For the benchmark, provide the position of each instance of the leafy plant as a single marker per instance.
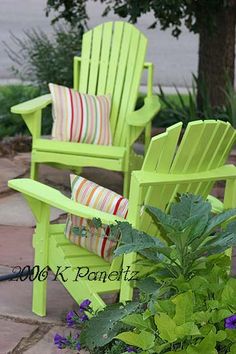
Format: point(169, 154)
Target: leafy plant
point(188, 297)
point(40, 59)
point(198, 319)
point(185, 109)
point(97, 331)
point(102, 328)
point(12, 124)
point(191, 233)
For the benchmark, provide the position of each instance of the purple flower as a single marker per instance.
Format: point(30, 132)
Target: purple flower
point(61, 342)
point(78, 346)
point(70, 319)
point(84, 304)
point(84, 318)
point(76, 336)
point(230, 322)
point(131, 349)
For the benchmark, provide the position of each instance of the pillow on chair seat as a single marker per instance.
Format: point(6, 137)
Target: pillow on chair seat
point(80, 117)
point(94, 239)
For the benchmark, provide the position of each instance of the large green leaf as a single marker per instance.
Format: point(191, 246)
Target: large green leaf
point(231, 335)
point(166, 327)
point(231, 227)
point(201, 317)
point(196, 225)
point(184, 307)
point(190, 205)
point(159, 348)
point(133, 240)
point(137, 321)
point(148, 285)
point(187, 329)
point(144, 340)
point(219, 315)
point(229, 293)
point(168, 225)
point(220, 243)
point(206, 346)
point(219, 219)
point(163, 305)
point(105, 325)
point(233, 349)
point(221, 335)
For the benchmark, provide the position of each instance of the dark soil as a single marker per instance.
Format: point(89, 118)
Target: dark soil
point(10, 146)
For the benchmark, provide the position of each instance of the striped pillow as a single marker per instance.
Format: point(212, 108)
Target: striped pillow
point(91, 194)
point(80, 117)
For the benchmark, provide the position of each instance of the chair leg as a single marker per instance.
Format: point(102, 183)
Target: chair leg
point(126, 184)
point(34, 170)
point(41, 260)
point(40, 293)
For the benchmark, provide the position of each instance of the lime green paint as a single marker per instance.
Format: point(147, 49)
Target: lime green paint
point(112, 62)
point(168, 168)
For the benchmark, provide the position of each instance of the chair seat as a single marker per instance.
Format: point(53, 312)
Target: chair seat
point(74, 154)
point(83, 265)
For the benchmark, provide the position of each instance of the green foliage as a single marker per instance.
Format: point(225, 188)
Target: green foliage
point(186, 291)
point(12, 124)
point(104, 326)
point(183, 108)
point(190, 232)
point(168, 13)
point(42, 59)
point(192, 320)
point(114, 347)
point(73, 12)
point(143, 339)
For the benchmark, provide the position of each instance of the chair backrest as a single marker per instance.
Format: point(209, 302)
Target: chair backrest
point(112, 61)
point(204, 146)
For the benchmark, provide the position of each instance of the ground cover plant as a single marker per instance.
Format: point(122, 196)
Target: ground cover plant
point(187, 297)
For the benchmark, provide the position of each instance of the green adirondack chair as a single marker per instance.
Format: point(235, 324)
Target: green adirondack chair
point(111, 62)
point(193, 166)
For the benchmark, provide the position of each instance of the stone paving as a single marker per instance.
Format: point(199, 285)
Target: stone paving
point(21, 330)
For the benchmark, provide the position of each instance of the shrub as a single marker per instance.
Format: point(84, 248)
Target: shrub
point(12, 124)
point(185, 275)
point(187, 302)
point(183, 108)
point(41, 59)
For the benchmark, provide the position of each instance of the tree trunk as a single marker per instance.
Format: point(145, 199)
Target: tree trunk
point(217, 57)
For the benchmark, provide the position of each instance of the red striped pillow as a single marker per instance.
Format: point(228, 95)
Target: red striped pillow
point(91, 194)
point(80, 117)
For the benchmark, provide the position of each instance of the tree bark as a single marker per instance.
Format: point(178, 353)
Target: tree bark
point(216, 65)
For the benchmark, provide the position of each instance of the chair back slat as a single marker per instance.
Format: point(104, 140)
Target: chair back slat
point(204, 147)
point(112, 63)
point(94, 64)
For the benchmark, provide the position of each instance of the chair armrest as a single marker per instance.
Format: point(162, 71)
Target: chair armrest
point(152, 178)
point(33, 105)
point(145, 114)
point(54, 198)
